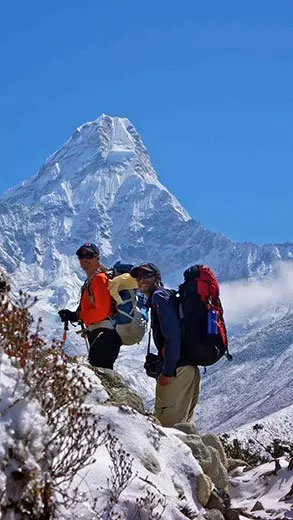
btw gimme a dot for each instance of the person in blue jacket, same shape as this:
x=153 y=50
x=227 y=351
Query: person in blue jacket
x=178 y=384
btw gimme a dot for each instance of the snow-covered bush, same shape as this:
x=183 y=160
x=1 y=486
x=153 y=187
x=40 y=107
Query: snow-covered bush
x=238 y=450
x=254 y=451
x=47 y=434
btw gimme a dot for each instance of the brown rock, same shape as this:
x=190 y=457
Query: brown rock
x=204 y=488
x=118 y=390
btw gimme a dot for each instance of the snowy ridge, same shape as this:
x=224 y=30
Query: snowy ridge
x=278 y=425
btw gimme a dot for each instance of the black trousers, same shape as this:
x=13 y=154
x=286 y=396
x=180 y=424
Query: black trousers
x=104 y=347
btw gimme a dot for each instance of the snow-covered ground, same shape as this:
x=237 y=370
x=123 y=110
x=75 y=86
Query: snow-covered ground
x=161 y=463
x=260 y=485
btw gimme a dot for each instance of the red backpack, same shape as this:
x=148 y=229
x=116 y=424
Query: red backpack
x=204 y=333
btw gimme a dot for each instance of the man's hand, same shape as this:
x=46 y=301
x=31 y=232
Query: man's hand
x=164 y=380
x=67 y=315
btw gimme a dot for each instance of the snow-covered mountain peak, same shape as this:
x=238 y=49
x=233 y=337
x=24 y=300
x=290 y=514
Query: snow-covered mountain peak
x=101 y=152
x=114 y=138
x=99 y=186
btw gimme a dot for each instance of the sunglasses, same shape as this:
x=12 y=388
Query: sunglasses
x=144 y=276
x=87 y=255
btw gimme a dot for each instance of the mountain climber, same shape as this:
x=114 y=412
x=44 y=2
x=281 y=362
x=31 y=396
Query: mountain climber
x=95 y=310
x=177 y=387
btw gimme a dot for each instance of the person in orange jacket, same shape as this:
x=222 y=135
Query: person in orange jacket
x=95 y=310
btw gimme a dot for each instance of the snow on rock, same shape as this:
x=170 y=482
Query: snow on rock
x=161 y=464
x=164 y=474
x=98 y=391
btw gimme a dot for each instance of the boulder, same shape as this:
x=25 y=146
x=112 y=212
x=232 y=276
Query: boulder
x=216 y=501
x=210 y=439
x=235 y=463
x=199 y=450
x=231 y=514
x=209 y=459
x=188 y=428
x=204 y=488
x=217 y=470
x=257 y=506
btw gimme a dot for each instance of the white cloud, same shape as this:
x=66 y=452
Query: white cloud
x=249 y=298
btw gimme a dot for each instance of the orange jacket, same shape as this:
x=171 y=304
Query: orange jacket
x=101 y=305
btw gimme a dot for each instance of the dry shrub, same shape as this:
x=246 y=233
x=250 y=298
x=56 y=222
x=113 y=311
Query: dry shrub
x=46 y=377
x=245 y=450
x=255 y=452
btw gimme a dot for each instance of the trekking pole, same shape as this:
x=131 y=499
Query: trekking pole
x=85 y=338
x=66 y=328
x=82 y=332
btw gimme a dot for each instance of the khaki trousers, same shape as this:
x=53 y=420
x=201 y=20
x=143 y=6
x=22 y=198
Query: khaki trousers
x=175 y=402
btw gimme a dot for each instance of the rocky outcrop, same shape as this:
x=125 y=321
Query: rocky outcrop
x=208 y=457
x=212 y=484
x=212 y=440
x=119 y=392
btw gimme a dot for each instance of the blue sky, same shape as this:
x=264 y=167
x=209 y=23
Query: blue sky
x=207 y=84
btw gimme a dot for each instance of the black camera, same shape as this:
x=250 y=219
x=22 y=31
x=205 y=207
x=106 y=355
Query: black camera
x=153 y=365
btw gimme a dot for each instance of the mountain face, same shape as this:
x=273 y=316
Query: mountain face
x=256 y=384
x=101 y=187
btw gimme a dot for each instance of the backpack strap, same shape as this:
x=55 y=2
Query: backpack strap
x=133 y=300
x=127 y=314
x=228 y=355
x=149 y=341
x=87 y=286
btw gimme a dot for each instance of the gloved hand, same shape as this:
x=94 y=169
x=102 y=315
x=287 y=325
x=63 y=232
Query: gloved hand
x=67 y=315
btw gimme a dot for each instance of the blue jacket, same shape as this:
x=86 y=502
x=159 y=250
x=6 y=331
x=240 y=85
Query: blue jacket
x=166 y=329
